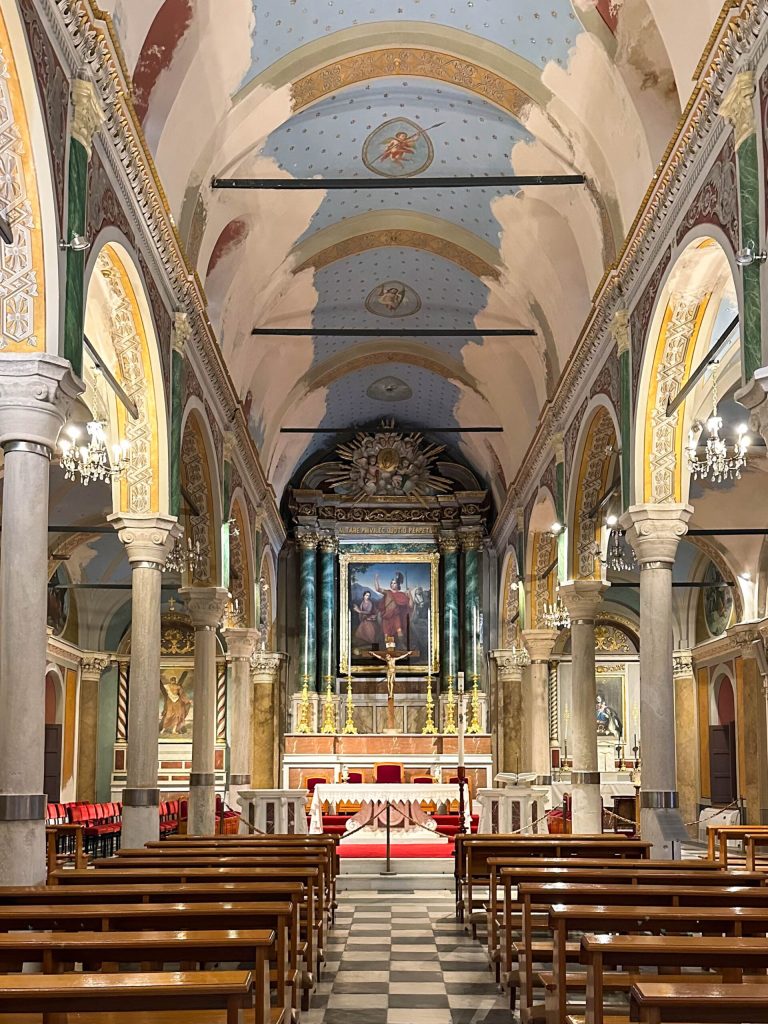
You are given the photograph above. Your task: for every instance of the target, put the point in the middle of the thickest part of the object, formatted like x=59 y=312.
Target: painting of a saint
x=718 y=601
x=399 y=148
x=391 y=599
x=609 y=707
x=393 y=299
x=175 y=704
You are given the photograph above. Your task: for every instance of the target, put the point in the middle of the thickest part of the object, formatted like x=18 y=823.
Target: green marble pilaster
x=625 y=398
x=749 y=199
x=328 y=548
x=307 y=608
x=471 y=547
x=74 y=306
x=177 y=373
x=449 y=549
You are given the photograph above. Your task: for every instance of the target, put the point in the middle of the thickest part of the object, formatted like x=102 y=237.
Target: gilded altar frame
x=350 y=558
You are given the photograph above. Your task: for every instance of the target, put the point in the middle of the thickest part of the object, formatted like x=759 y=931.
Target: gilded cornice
x=406 y=238
x=85 y=36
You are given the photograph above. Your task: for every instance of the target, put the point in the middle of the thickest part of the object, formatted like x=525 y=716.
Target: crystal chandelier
x=721 y=461
x=619 y=556
x=91 y=461
x=234 y=615
x=556 y=614
x=182 y=557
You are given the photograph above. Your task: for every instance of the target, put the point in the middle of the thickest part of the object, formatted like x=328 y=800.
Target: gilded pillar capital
x=620 y=330
x=306 y=538
x=328 y=543
x=182 y=331
x=472 y=538
x=87 y=113
x=737 y=106
x=147 y=539
x=540 y=643
x=655 y=530
x=583 y=598
x=205 y=605
x=448 y=543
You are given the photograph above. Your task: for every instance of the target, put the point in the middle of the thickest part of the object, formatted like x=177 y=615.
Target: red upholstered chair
x=422 y=780
x=315 y=780
x=388 y=773
x=355 y=777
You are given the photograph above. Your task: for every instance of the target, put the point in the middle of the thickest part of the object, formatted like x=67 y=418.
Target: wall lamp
x=78 y=244
x=748 y=255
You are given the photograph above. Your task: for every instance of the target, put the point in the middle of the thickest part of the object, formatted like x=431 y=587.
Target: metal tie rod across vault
x=365 y=184
x=372 y=332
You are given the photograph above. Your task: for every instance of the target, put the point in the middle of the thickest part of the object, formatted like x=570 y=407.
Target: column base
x=202 y=808
x=586 y=808
x=664 y=828
x=140 y=825
x=23 y=859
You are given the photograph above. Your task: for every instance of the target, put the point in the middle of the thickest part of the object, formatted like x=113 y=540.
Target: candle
x=450 y=642
x=474 y=641
x=306 y=641
x=429 y=641
x=461 y=720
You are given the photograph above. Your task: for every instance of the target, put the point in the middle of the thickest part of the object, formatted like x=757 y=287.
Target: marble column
x=240 y=647
x=91 y=667
x=307 y=540
x=265 y=673
x=582 y=598
x=205 y=606
x=328 y=548
x=36 y=392
x=686 y=735
x=147 y=540
x=449 y=552
x=509 y=723
x=470 y=544
x=540 y=644
x=654 y=531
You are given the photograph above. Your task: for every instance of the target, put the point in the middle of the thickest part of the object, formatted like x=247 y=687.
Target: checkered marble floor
x=403 y=959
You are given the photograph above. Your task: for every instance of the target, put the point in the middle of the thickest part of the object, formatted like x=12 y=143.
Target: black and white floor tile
x=404 y=960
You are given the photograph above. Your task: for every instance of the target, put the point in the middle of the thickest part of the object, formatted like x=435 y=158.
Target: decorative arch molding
x=713 y=552
x=200 y=489
x=401 y=351
x=241 y=557
x=509 y=600
x=125 y=337
x=24 y=283
x=683 y=318
x=268 y=574
x=541 y=558
x=401 y=237
x=599 y=433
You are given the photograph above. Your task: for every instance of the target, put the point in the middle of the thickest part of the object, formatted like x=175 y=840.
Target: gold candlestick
x=350 y=729
x=305 y=725
x=429 y=726
x=474 y=703
x=329 y=709
x=449 y=726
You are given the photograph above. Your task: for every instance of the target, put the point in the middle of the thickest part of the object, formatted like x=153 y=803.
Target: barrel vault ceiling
x=402 y=88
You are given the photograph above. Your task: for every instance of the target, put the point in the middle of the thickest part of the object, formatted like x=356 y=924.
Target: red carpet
x=397 y=850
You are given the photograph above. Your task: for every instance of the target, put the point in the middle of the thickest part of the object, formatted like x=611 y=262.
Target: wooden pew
x=719 y=835
x=53 y=858
x=753 y=841
x=731 y=958
x=478 y=853
x=655 y=1003
x=56 y=951
x=565 y=919
x=586 y=870
x=231 y=991
x=677 y=894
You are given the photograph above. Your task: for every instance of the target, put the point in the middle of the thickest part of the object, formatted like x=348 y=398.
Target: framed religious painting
x=611 y=701
x=176 y=703
x=389 y=599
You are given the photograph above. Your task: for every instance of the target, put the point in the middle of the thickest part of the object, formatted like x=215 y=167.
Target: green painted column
x=738 y=108
x=87 y=116
x=307 y=540
x=450 y=656
x=470 y=543
x=181 y=335
x=328 y=549
x=621 y=335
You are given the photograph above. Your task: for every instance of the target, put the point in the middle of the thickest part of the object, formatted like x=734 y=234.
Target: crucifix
x=391 y=659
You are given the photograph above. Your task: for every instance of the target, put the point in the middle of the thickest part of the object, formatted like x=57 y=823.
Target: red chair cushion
x=422 y=780
x=389 y=773
x=311 y=783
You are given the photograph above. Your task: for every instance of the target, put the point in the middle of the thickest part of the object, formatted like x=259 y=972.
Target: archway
x=598 y=469
x=541 y=560
x=241 y=562
x=201 y=497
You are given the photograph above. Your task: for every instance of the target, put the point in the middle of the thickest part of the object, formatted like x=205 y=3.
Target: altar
x=405 y=801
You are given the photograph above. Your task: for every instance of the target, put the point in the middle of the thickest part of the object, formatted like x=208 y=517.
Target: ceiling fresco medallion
x=398 y=148
x=389 y=389
x=393 y=299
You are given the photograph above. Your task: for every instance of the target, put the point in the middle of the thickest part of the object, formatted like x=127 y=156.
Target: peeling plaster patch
x=229 y=239
x=166 y=32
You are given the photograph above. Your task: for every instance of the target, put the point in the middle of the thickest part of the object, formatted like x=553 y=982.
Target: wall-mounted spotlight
x=556 y=528
x=6 y=232
x=78 y=244
x=748 y=255
x=611 y=520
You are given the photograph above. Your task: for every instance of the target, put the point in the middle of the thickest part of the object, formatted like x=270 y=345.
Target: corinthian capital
x=510 y=664
x=583 y=598
x=240 y=643
x=655 y=530
x=307 y=538
x=620 y=330
x=737 y=106
x=93 y=664
x=540 y=643
x=682 y=664
x=205 y=605
x=182 y=331
x=87 y=113
x=146 y=538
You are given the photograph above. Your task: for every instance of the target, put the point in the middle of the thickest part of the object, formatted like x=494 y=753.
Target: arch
x=241 y=557
x=119 y=324
x=541 y=559
x=723 y=710
x=509 y=600
x=201 y=494
x=29 y=271
x=700 y=278
x=598 y=444
x=54 y=695
x=268 y=595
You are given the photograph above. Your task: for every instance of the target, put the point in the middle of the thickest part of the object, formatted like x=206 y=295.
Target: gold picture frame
x=392 y=561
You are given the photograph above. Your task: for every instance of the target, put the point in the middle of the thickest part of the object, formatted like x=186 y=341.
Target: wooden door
x=722 y=762
x=52 y=763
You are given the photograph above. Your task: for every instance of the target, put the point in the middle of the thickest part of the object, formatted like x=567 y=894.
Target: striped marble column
x=449 y=550
x=470 y=543
x=307 y=541
x=328 y=549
